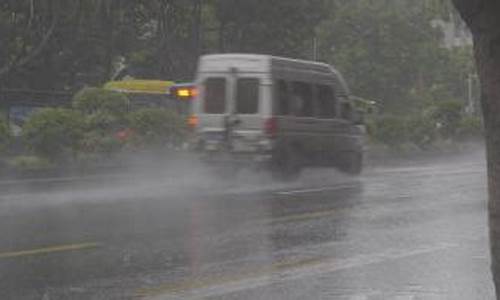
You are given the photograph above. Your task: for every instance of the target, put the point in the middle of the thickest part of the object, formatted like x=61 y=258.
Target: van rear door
x=231 y=105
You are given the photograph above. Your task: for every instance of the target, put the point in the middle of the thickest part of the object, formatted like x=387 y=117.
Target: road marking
x=221 y=280
x=48 y=250
x=307 y=216
x=358 y=297
x=222 y=285
x=316 y=190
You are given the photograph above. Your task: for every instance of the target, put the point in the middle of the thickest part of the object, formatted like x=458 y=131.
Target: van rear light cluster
x=192 y=122
x=271 y=127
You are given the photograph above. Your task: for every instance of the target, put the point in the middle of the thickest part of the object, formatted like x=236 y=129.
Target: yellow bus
x=155 y=93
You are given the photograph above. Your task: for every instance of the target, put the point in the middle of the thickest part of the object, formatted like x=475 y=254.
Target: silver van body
x=278 y=112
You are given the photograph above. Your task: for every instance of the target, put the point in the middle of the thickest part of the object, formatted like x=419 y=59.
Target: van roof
x=267 y=63
x=258 y=58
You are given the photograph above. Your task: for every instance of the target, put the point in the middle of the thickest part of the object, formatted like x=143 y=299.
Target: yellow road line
x=47 y=250
x=200 y=283
x=307 y=216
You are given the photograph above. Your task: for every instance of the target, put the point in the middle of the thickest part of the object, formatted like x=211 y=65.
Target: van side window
x=281 y=98
x=346 y=111
x=215 y=95
x=302 y=99
x=247 y=95
x=327 y=103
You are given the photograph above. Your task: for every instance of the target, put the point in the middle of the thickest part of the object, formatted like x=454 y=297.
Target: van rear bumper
x=242 y=159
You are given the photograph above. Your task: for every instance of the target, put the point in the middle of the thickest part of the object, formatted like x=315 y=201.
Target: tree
x=275 y=27
x=58 y=44
x=390 y=52
x=483 y=18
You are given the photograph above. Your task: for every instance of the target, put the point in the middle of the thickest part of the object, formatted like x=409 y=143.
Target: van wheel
x=352 y=163
x=287 y=165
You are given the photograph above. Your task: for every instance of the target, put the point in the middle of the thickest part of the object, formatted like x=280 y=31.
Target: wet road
x=413 y=230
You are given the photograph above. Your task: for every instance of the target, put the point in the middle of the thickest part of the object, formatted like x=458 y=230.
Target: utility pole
x=315 y=49
x=471 y=108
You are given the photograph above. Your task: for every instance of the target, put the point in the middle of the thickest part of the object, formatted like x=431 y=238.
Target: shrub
x=389 y=130
x=5 y=136
x=95 y=100
x=96 y=142
x=448 y=115
x=470 y=127
x=421 y=131
x=29 y=163
x=54 y=132
x=156 y=127
x=105 y=113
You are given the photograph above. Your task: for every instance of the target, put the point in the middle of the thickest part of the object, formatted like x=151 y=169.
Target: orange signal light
x=183 y=93
x=193 y=121
x=186 y=93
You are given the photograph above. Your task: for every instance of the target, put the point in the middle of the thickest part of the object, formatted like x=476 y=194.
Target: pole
x=470 y=100
x=315 y=49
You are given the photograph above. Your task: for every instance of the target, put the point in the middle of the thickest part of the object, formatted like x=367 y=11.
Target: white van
x=280 y=113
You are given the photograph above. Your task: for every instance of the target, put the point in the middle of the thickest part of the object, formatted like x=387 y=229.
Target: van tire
x=351 y=163
x=286 y=165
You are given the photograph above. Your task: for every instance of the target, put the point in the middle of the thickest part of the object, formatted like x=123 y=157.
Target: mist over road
x=412 y=230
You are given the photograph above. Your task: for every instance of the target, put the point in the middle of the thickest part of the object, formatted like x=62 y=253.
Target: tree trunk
x=483 y=18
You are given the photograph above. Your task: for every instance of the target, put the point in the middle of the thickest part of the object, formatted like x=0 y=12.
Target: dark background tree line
x=388 y=49
x=57 y=44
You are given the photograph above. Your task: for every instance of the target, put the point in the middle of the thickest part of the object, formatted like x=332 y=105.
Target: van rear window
x=215 y=95
x=247 y=96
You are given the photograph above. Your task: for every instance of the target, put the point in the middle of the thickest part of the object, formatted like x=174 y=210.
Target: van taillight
x=271 y=127
x=192 y=121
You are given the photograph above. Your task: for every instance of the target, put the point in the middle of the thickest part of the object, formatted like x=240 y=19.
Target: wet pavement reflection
x=415 y=230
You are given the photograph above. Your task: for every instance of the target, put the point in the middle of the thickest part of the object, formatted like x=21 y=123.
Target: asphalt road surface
x=410 y=230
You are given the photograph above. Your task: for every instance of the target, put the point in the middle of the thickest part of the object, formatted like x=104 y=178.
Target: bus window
x=302 y=98
x=247 y=95
x=326 y=102
x=215 y=95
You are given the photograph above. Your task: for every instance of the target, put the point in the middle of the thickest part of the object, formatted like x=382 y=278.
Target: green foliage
x=448 y=115
x=390 y=130
x=390 y=52
x=91 y=101
x=421 y=130
x=99 y=143
x=5 y=136
x=156 y=127
x=470 y=127
x=270 y=26
x=105 y=113
x=29 y=163
x=54 y=133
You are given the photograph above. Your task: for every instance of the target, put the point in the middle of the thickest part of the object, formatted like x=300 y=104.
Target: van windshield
x=215 y=95
x=247 y=96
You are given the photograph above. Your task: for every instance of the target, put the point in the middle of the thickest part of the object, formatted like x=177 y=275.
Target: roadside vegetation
x=391 y=52
x=98 y=127
x=444 y=126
